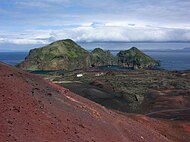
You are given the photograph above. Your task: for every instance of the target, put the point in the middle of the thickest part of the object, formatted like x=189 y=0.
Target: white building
x=79 y=75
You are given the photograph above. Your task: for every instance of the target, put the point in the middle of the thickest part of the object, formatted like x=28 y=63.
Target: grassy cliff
x=136 y=59
x=68 y=55
x=100 y=57
x=63 y=54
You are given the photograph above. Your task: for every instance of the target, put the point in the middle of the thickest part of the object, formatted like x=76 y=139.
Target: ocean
x=176 y=59
x=12 y=58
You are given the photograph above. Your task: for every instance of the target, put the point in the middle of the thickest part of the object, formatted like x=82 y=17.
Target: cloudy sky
x=44 y=21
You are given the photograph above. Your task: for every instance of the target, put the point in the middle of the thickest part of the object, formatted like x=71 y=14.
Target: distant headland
x=68 y=55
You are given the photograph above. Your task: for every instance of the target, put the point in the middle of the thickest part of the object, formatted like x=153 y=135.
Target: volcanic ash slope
x=35 y=110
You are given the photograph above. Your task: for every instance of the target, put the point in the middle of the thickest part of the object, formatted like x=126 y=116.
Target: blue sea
x=12 y=58
x=173 y=56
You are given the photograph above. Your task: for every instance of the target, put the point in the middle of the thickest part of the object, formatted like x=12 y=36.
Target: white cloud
x=34 y=22
x=102 y=32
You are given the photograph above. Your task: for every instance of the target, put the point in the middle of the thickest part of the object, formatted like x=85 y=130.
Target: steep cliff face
x=100 y=57
x=136 y=59
x=59 y=55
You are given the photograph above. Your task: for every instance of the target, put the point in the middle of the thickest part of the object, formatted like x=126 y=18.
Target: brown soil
x=168 y=104
x=35 y=110
x=178 y=133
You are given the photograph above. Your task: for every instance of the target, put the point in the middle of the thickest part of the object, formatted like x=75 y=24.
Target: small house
x=79 y=75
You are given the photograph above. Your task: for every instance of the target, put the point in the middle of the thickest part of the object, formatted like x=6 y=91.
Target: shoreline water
x=172 y=56
x=169 y=60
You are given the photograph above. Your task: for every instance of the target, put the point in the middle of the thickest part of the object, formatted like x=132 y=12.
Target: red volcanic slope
x=35 y=110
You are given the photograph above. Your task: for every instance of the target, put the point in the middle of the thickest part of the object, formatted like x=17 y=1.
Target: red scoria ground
x=35 y=110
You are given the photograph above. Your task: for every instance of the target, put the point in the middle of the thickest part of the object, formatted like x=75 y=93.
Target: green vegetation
x=101 y=57
x=59 y=55
x=68 y=55
x=135 y=87
x=136 y=59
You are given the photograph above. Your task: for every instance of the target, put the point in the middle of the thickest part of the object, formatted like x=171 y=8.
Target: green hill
x=59 y=55
x=100 y=58
x=136 y=59
x=68 y=55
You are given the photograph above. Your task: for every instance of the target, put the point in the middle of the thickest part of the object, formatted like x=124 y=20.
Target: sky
x=32 y=22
